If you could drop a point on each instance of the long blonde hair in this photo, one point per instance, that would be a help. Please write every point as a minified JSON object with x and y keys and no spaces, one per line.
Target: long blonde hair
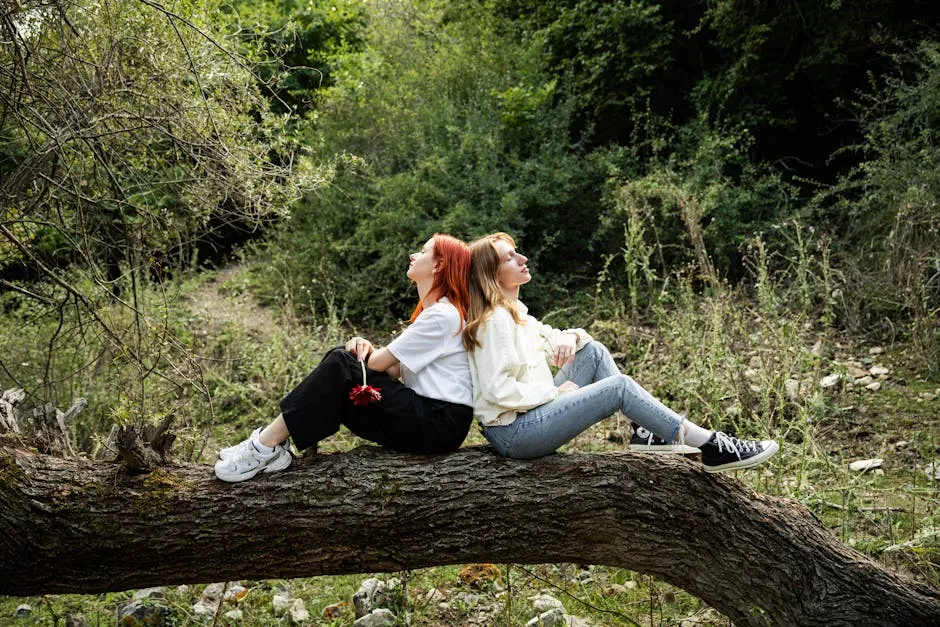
{"x":485,"y":293}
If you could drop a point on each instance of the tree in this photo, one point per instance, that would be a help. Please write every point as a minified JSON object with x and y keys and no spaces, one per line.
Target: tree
{"x":74,"y":525}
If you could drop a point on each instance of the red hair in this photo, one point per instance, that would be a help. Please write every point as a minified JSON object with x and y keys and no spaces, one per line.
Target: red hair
{"x":450,"y":280}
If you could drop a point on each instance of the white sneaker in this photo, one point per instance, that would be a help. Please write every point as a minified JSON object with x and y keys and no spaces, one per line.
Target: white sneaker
{"x":248,"y":462}
{"x":232,"y":451}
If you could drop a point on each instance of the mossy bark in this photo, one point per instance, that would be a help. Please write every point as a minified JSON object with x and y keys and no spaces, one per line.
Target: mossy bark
{"x":72,"y":525}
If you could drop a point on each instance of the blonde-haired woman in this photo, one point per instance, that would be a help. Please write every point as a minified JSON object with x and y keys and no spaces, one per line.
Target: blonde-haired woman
{"x":527,"y":413}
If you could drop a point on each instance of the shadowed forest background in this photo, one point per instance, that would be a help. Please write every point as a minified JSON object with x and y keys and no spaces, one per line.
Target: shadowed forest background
{"x":739,"y":198}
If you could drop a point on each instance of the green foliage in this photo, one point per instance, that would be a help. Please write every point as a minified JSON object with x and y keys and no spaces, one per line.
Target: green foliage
{"x":456,"y":131}
{"x":297,"y":46}
{"x":888,"y":206}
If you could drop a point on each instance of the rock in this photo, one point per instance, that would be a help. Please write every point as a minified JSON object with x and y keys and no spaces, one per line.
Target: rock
{"x":928,"y":396}
{"x":235,"y":592}
{"x":213,"y":591}
{"x":855,"y":369}
{"x":863,"y":465}
{"x":435,"y":596}
{"x":830,"y":381}
{"x":298,"y":612}
{"x":372,"y":593}
{"x":750,"y":373}
{"x":551,"y":618}
{"x":204,"y":608}
{"x":545,"y":602}
{"x":879,"y":371}
{"x":75,"y":620}
{"x":332,"y":612}
{"x":933,"y":471}
{"x":576,"y":621}
{"x":380,"y":617}
{"x":149,"y":593}
{"x":874,"y":386}
{"x":468,"y":599}
{"x":876,"y":350}
{"x":22,"y":611}
{"x":281,"y":602}
{"x":792,"y":386}
{"x":182,"y":589}
{"x":138,"y":613}
{"x":235,"y":615}
{"x":866,"y":380}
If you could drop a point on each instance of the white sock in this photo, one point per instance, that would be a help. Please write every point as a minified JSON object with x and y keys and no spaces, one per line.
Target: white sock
{"x":261,"y":448}
{"x":695,"y":435}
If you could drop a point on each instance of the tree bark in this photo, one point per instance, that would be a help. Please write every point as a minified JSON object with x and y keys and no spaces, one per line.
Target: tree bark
{"x":73,"y":525}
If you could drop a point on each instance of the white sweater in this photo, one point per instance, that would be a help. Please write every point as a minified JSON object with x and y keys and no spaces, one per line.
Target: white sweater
{"x":510,"y":370}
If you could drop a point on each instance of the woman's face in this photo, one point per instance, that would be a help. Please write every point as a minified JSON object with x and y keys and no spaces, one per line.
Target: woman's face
{"x":512,"y":269}
{"x":422,"y":263}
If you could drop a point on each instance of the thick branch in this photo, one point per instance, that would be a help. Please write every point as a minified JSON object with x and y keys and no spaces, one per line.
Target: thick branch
{"x":80,"y":526}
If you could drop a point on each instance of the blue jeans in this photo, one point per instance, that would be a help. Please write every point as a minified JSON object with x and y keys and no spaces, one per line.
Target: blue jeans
{"x":603,"y":391}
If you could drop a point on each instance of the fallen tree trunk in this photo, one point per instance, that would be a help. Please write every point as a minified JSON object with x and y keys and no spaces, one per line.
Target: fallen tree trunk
{"x":72,"y":525}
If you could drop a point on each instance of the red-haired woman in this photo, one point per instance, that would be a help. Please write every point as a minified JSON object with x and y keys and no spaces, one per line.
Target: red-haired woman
{"x":418,"y":398}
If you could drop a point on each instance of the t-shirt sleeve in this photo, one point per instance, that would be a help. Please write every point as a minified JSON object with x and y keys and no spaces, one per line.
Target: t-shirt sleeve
{"x":423,"y":341}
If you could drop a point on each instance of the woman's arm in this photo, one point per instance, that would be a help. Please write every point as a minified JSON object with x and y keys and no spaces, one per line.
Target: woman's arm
{"x":501,"y":372}
{"x":380,"y":360}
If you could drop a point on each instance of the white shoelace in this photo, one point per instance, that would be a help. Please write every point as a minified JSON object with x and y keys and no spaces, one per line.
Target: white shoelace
{"x":733,"y":445}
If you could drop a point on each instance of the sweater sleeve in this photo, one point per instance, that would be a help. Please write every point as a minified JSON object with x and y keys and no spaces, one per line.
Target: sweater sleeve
{"x":502,"y":371}
{"x":551,"y":335}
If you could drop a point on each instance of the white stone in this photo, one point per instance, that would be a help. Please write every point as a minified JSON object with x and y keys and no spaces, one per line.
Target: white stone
{"x":202,"y":608}
{"x":23,"y":610}
{"x":927,"y":396}
{"x":576,"y":621}
{"x":468,"y":599}
{"x":371,"y":593}
{"x":298,"y":612}
{"x":235,"y":615}
{"x":235,"y":592}
{"x":750,"y":373}
{"x":380,"y":617}
{"x":793,"y":389}
{"x":434,"y":596}
{"x":876,"y":350}
{"x":281,"y":602}
{"x":874,"y":386}
{"x":213,"y":591}
{"x":830,"y":381}
{"x":149,"y":593}
{"x":933,"y":471}
{"x":866,"y":380}
{"x":544,"y":602}
{"x":866,"y":464}
{"x":551,"y":618}
{"x":879,"y":371}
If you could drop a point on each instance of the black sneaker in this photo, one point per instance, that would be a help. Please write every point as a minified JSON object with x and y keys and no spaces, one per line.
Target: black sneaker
{"x":645,"y":441}
{"x":723,"y":452}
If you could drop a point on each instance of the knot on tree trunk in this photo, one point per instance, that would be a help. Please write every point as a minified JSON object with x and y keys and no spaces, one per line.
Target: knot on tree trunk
{"x":143,"y":447}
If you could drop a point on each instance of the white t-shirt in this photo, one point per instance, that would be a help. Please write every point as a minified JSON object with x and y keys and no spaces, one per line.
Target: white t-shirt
{"x":433,"y":360}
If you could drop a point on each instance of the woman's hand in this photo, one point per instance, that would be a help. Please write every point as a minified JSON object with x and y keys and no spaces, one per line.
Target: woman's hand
{"x":565,"y":350}
{"x":567,"y":386}
{"x":360,"y":347}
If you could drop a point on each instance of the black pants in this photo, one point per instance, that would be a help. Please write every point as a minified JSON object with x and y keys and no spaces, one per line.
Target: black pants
{"x":403,"y":420}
